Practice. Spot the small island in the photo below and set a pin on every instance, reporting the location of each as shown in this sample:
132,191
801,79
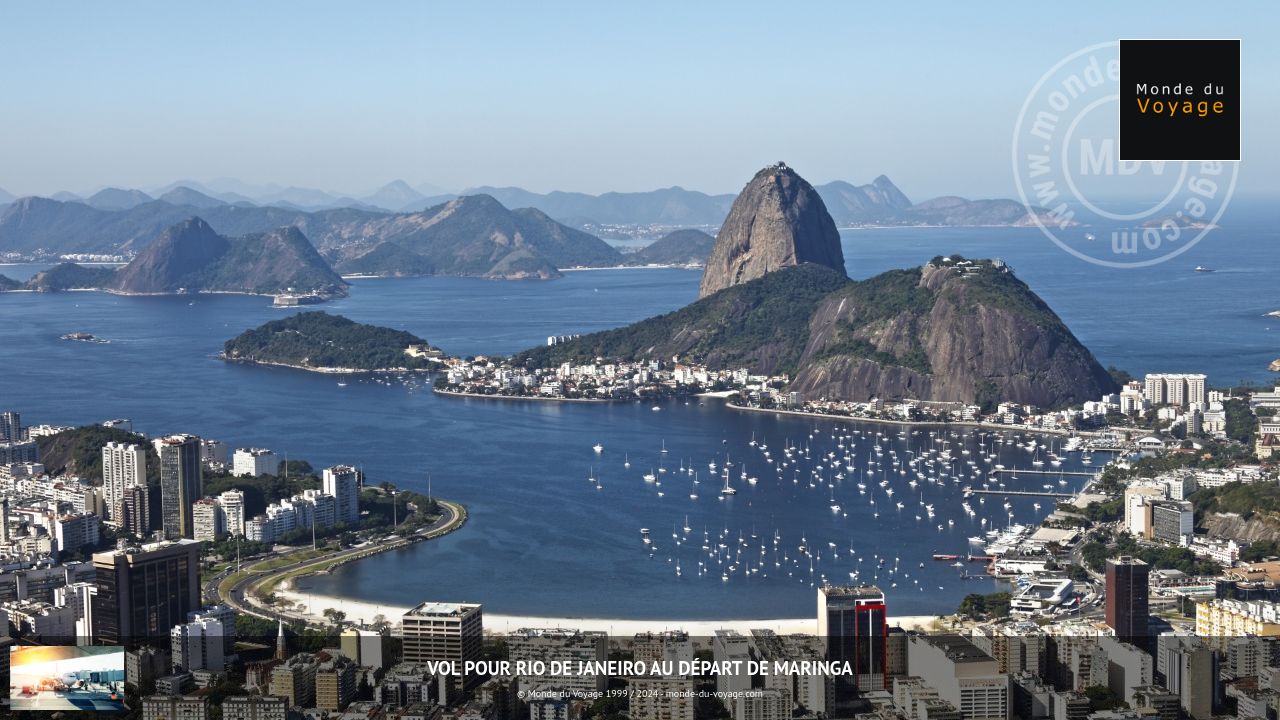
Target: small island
85,337
319,342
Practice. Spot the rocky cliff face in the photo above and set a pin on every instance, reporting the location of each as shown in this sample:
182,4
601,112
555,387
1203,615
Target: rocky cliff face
963,331
778,220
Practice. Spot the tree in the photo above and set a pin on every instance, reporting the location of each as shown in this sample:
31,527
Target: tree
335,616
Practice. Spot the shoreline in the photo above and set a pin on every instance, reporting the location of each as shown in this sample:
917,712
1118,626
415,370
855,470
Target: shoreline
323,370
364,611
921,423
538,398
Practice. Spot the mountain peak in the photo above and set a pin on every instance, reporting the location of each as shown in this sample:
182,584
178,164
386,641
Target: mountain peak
778,220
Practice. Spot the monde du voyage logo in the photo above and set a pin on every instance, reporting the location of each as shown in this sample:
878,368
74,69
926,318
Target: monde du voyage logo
1124,152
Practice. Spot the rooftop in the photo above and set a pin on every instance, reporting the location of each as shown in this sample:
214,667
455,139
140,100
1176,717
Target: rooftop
956,648
443,609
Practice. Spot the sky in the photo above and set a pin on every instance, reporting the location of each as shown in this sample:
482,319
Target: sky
589,97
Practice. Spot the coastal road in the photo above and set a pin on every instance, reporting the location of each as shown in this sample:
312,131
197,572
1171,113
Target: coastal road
235,593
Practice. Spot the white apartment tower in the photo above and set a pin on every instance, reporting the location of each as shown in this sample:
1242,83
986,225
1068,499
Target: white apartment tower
340,481
124,465
232,504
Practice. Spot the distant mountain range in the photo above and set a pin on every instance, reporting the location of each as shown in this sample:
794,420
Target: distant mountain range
470,236
877,203
191,257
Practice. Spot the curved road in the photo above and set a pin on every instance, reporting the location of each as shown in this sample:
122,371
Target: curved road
236,594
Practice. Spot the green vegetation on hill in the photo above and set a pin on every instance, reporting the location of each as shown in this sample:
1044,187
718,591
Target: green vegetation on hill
7,283
316,340
1245,500
993,605
71,276
878,300
1163,557
1242,424
79,451
763,324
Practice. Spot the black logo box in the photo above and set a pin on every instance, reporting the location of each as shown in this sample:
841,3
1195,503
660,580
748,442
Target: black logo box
1184,65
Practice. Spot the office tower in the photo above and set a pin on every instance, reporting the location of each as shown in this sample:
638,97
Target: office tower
144,591
232,504
853,622
1127,587
442,631
10,426
199,645
135,510
962,674
341,482
124,465
181,483
254,707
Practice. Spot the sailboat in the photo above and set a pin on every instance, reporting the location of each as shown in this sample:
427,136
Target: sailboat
598,448
727,489
626,461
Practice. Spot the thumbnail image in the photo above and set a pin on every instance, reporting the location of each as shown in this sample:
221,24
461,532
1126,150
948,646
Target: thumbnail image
66,678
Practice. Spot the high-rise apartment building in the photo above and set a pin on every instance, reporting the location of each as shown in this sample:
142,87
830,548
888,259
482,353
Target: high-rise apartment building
181,483
124,465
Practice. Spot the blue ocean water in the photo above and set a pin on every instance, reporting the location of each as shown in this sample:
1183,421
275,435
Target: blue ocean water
542,539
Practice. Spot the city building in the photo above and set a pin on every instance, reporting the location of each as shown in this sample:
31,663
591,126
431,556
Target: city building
144,591
342,482
442,631
732,646
11,426
124,465
1128,585
963,675
560,645
853,622
367,647
1173,521
199,645
231,502
175,707
252,462
135,511
254,707
181,483
767,704
661,698
1179,389
206,519
295,680
335,683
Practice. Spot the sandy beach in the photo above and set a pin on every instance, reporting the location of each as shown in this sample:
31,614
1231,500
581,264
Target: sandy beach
356,610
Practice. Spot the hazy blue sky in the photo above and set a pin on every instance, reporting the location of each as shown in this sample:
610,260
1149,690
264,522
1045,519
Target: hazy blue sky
591,96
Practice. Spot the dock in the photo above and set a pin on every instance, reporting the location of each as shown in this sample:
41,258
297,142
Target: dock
1025,493
1055,473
